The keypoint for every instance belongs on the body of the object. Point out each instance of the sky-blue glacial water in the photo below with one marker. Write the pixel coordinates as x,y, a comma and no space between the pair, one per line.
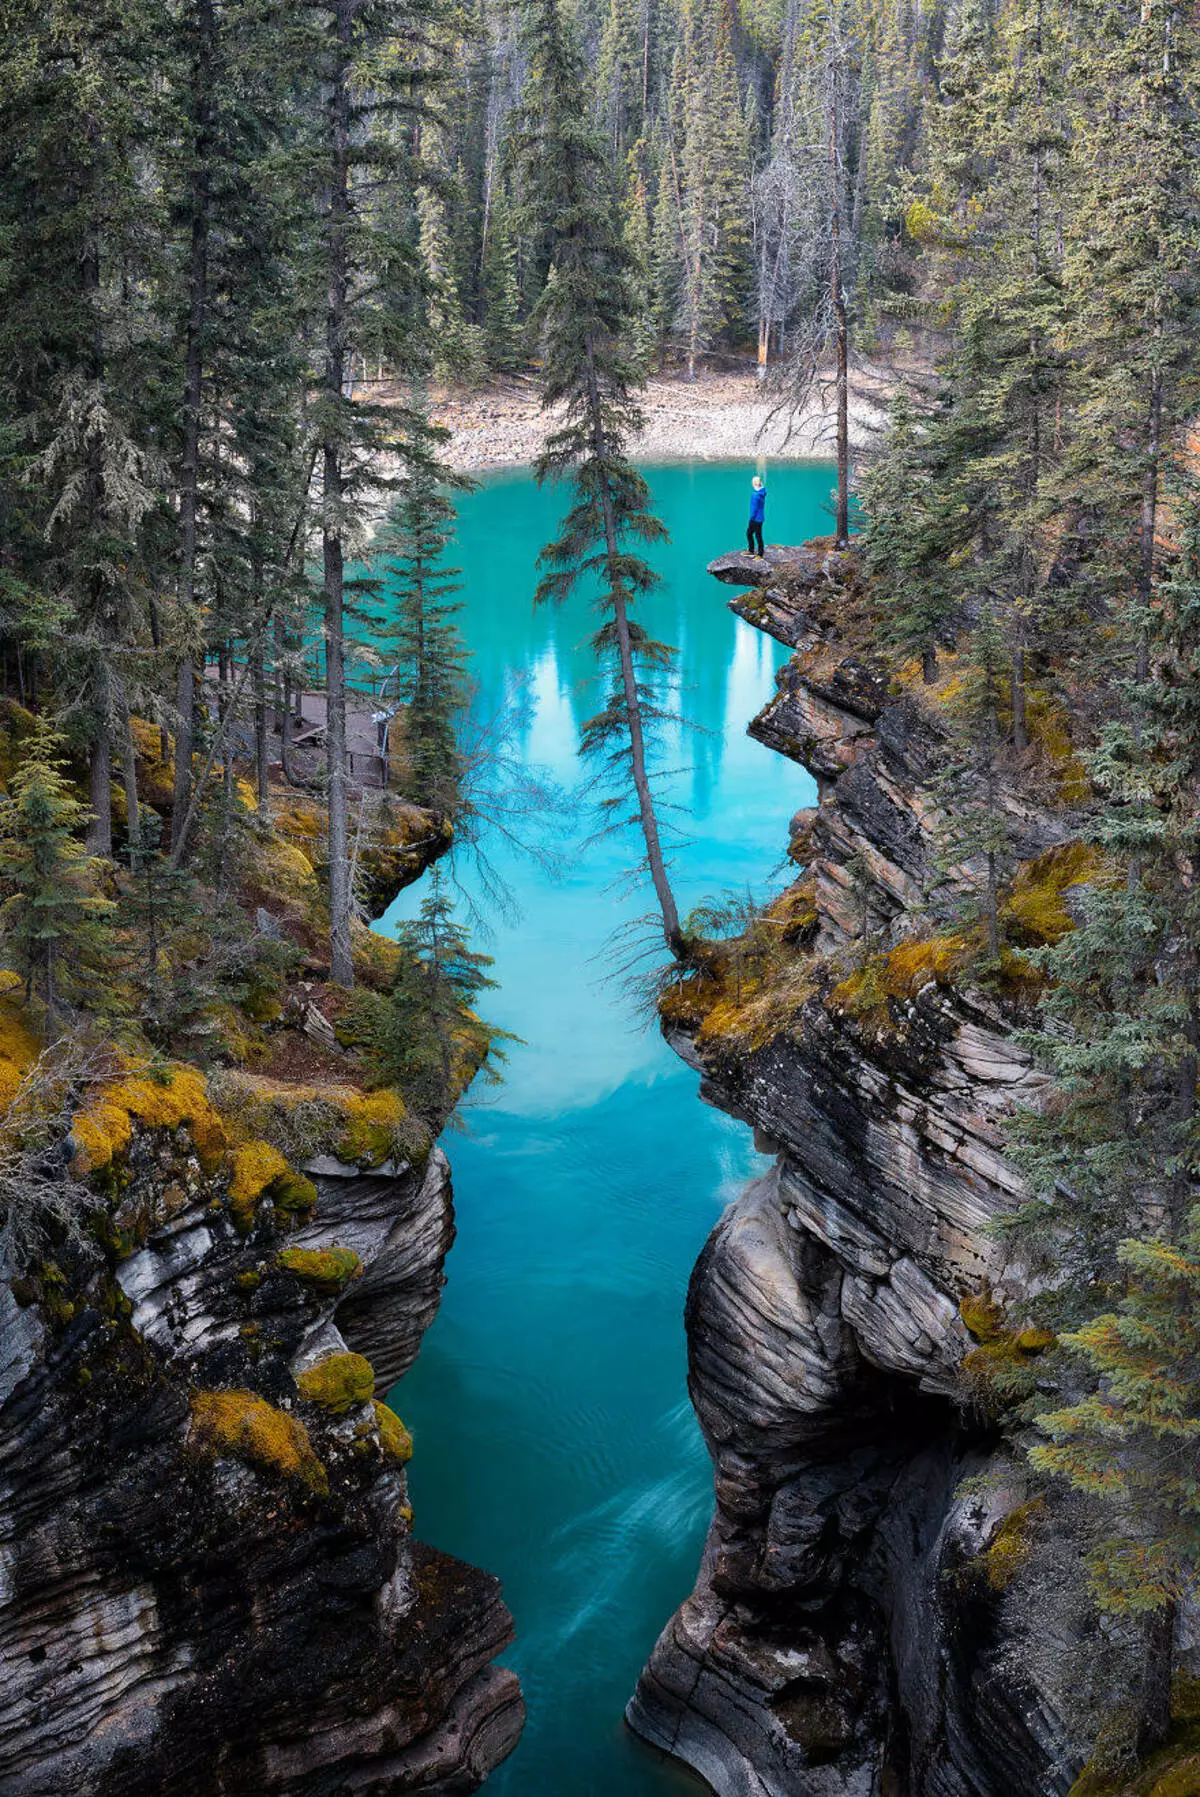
554,1440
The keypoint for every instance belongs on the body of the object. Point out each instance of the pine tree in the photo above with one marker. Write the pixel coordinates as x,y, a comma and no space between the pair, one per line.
921,497
1130,272
56,922
975,840
158,918
1130,1444
431,654
585,321
426,1038
365,171
1112,1161
713,178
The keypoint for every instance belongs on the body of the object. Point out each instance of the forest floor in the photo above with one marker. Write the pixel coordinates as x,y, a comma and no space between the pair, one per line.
716,417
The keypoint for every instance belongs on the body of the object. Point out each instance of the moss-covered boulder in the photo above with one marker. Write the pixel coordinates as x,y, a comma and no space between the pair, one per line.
240,1425
327,1270
338,1383
395,1442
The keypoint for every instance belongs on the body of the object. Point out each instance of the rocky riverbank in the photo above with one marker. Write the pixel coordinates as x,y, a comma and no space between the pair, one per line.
214,1264
716,417
847,1636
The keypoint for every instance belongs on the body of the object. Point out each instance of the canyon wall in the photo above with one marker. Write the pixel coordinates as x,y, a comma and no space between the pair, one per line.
846,1636
210,1579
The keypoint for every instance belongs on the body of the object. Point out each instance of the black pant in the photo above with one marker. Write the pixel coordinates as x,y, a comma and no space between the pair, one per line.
754,542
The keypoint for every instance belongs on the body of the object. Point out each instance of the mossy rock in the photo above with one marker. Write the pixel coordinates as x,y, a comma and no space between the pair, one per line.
1011,1545
254,1166
243,1426
171,1097
327,1270
294,1194
338,1382
260,1171
394,1439
1036,909
982,1315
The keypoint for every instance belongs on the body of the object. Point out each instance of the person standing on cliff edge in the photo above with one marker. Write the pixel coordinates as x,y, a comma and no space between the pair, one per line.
758,506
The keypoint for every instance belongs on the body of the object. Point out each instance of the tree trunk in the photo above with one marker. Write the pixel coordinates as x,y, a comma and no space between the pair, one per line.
262,779
1148,521
341,966
838,297
991,908
129,777
99,832
1154,1721
633,709
1020,733
193,389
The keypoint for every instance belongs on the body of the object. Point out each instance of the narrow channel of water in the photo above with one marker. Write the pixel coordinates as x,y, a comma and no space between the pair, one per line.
554,1441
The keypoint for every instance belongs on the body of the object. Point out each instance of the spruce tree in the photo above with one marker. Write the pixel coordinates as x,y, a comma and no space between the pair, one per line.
421,614
585,323
56,921
426,1038
367,275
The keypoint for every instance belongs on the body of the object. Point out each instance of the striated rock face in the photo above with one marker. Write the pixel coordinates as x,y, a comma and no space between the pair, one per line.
843,1639
230,1600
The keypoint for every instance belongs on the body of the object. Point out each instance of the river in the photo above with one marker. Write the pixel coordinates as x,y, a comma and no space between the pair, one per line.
554,1441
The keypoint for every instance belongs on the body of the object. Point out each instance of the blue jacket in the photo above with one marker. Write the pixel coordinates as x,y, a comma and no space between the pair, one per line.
758,504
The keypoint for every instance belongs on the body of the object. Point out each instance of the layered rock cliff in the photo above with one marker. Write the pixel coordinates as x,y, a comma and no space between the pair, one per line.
210,1580
846,1637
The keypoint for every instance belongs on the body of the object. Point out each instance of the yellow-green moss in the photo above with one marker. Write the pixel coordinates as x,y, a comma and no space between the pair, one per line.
170,1099
999,1367
338,1382
1035,910
254,1167
325,1269
282,871
394,1439
372,1122
362,1128
1011,1545
982,1315
1048,725
244,1426
901,973
376,958
1172,1771
19,1046
747,988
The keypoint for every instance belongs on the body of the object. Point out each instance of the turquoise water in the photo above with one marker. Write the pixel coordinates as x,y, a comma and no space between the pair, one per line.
554,1441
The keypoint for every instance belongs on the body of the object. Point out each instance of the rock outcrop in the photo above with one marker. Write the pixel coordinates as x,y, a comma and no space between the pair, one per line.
844,1638
210,1584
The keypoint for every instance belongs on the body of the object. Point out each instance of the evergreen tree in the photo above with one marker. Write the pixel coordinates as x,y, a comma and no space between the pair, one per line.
975,840
585,321
713,169
431,654
1130,272
426,1038
56,922
365,268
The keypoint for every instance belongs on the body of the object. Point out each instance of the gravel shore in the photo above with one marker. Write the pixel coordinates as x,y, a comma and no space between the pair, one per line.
717,417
